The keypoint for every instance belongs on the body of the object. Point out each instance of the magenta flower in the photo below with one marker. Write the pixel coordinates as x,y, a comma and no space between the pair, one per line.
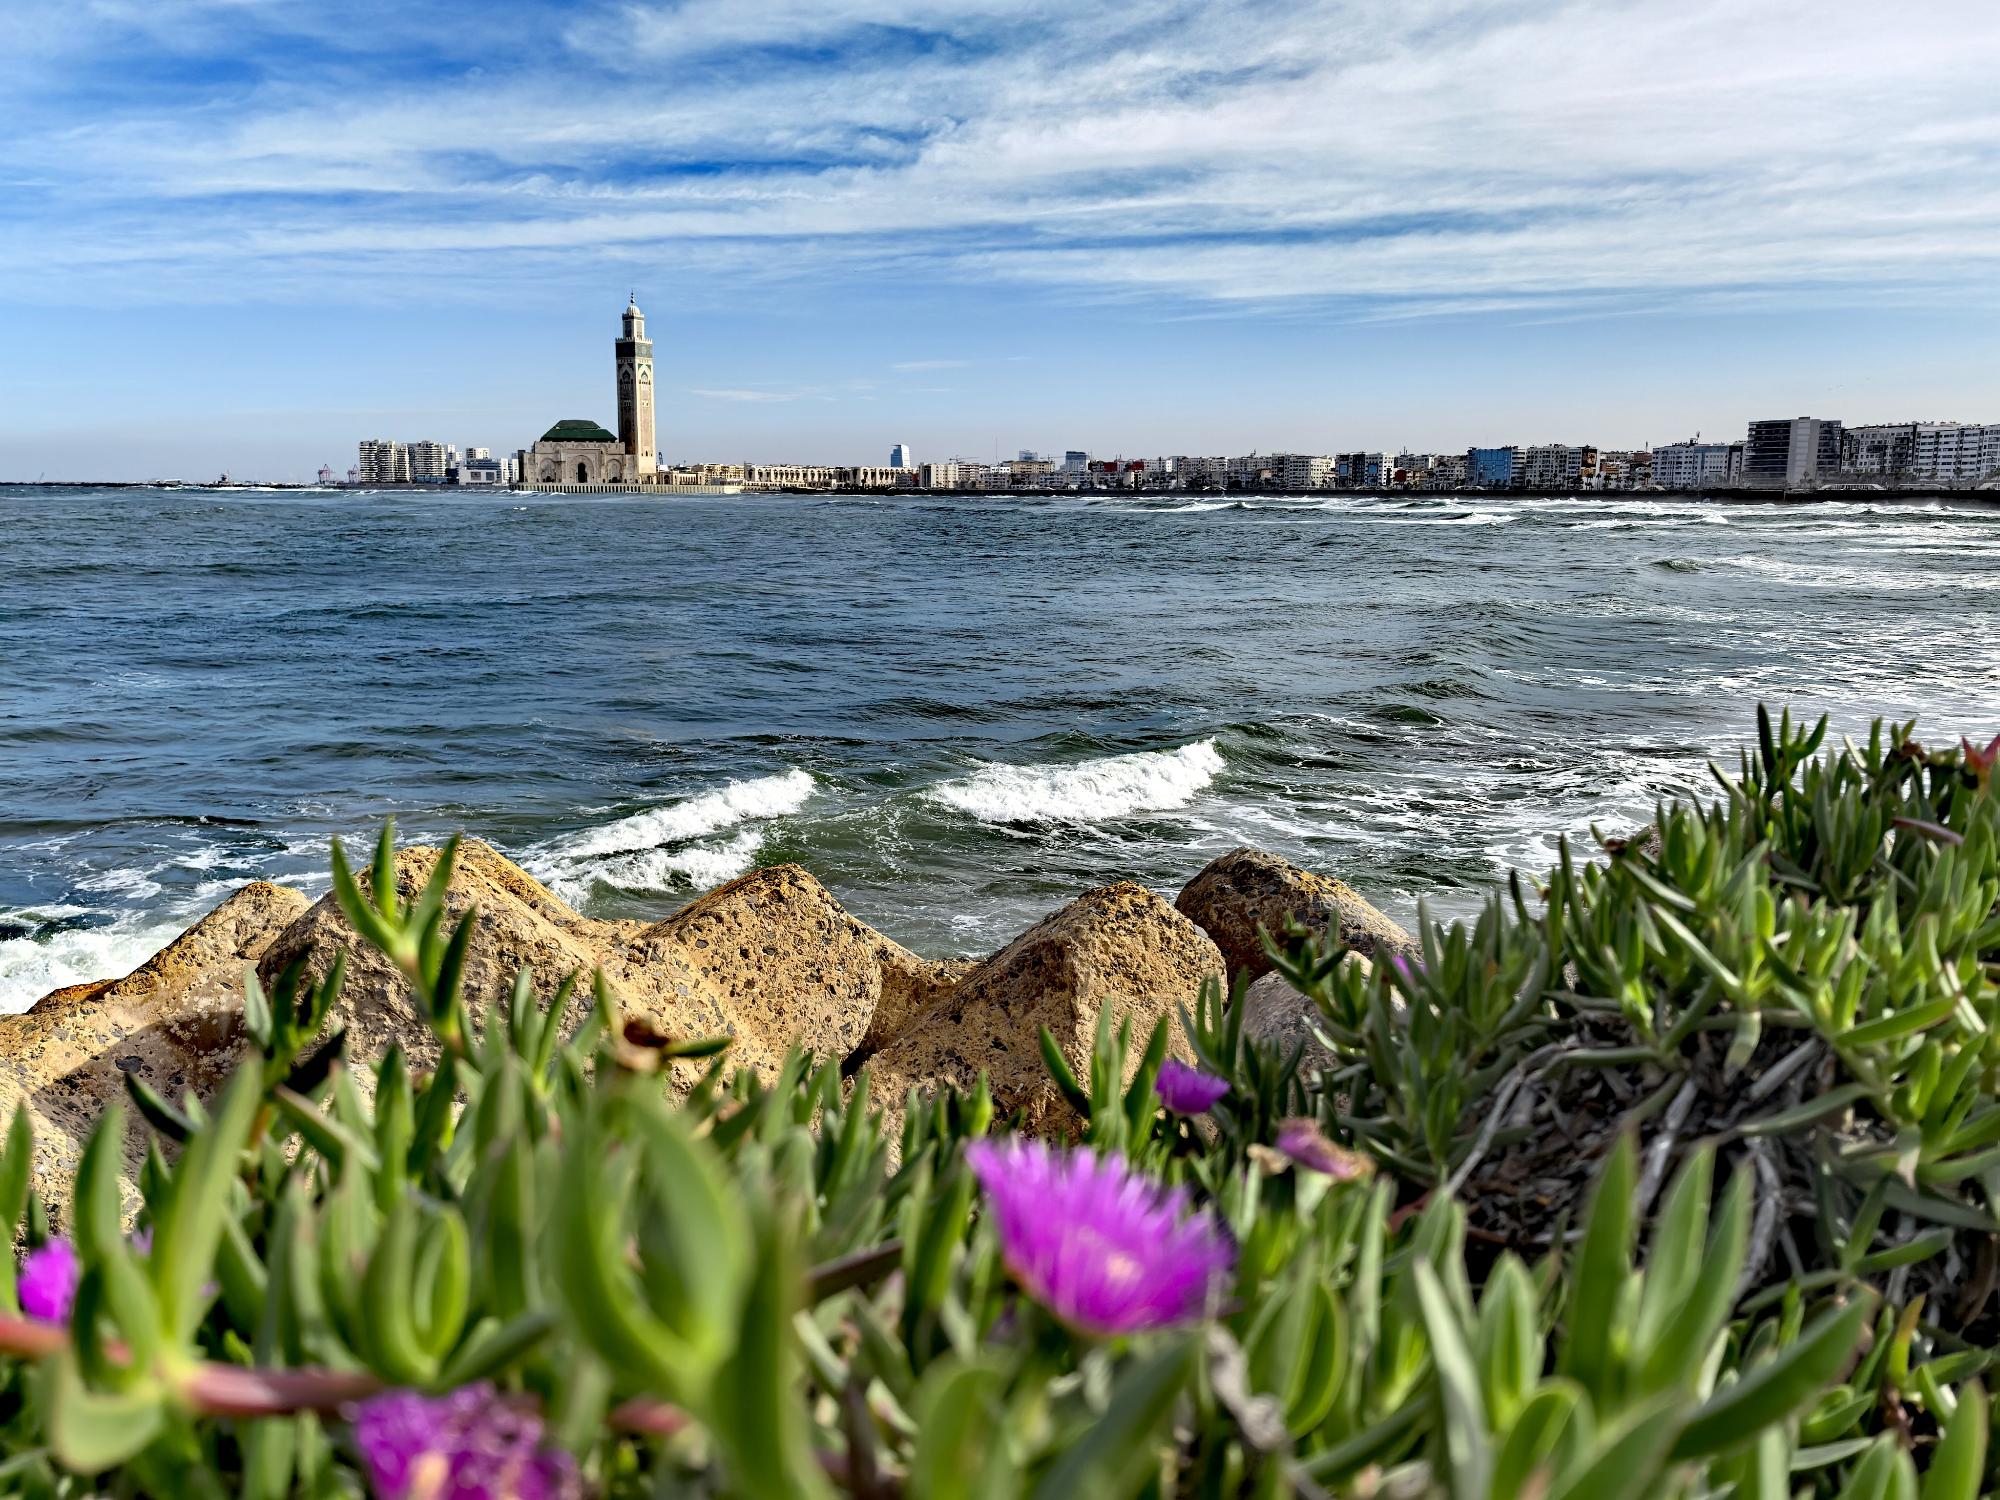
1408,969
1301,1142
1186,1090
48,1278
1098,1245
469,1444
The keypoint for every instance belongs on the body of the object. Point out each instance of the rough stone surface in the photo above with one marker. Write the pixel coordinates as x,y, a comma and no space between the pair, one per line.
1119,946
1274,1012
1238,890
174,1021
521,924
787,963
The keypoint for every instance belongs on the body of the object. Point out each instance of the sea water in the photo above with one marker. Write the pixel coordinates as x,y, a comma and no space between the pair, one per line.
957,712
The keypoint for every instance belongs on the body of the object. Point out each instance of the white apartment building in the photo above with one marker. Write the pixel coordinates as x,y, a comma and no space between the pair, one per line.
1691,465
1253,469
382,461
1551,466
1306,471
428,462
1956,452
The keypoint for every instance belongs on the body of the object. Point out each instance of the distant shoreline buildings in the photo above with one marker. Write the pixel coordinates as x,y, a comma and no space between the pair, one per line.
577,455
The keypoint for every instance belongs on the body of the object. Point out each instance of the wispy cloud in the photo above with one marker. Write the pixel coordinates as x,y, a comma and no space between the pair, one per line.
1393,157
930,364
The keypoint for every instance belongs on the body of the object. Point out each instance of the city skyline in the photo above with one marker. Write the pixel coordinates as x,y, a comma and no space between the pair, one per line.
974,228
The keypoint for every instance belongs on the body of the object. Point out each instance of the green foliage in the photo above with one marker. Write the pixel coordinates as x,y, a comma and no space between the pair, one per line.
712,1284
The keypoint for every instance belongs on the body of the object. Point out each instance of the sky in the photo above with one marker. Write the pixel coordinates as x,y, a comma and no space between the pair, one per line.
243,234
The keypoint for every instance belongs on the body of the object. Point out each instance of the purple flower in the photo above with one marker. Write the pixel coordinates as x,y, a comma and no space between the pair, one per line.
1301,1142
1186,1090
48,1278
469,1444
1408,969
1100,1246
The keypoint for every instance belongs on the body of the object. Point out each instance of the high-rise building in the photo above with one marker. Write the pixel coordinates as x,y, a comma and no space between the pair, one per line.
382,461
428,463
636,431
1075,461
899,457
1791,450
1691,465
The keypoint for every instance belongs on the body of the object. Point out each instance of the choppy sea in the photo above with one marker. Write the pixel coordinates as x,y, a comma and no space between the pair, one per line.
956,712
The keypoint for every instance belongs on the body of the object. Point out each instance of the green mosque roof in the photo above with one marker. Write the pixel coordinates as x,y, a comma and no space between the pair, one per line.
577,430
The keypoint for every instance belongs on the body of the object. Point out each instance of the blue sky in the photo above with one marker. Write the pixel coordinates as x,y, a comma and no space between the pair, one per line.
243,234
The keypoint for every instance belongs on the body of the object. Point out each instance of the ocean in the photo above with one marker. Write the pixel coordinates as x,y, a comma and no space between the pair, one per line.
957,712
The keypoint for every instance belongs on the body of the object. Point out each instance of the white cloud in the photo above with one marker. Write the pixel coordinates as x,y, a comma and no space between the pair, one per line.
1433,154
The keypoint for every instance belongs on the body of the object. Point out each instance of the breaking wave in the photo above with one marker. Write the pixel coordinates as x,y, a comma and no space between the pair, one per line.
1111,787
661,849
47,949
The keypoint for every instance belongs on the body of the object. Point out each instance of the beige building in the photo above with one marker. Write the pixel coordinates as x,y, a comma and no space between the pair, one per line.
577,451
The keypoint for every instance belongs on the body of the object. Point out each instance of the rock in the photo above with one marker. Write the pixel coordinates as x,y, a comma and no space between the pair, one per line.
521,924
1120,946
1275,1013
174,1021
1238,890
787,963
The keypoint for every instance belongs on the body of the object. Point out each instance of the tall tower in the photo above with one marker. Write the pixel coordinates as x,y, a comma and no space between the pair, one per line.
635,393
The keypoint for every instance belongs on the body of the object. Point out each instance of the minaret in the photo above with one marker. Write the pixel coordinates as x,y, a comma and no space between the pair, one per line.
635,392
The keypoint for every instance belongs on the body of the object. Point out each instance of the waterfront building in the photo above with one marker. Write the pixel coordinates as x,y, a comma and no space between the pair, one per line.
1551,466
1253,470
481,473
1029,470
1409,469
1198,472
1308,471
1691,465
864,478
1449,471
428,462
382,461
952,474
1955,452
1492,468
1887,449
637,431
1075,461
577,451
1791,450
706,475
1367,471
899,457
789,476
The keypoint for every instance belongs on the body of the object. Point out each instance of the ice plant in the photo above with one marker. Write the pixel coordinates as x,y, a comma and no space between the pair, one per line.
49,1274
1187,1090
1301,1142
469,1444
1103,1248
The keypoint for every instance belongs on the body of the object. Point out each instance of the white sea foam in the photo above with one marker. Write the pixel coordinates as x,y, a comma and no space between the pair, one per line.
1090,791
710,812
672,847
32,966
699,866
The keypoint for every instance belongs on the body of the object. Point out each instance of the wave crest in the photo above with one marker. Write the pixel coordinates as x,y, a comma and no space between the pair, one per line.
1090,791
658,849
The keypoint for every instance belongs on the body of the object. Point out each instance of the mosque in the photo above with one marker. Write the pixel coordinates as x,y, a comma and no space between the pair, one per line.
577,454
